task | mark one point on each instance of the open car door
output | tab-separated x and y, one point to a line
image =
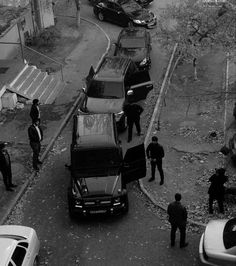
134	166
141	84
90	75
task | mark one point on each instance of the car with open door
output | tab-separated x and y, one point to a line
99	171
107	87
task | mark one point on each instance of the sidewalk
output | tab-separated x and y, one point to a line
191	151
14	124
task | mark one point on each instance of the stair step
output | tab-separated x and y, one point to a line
39	79
30	80
55	93
22	77
51	86
43	86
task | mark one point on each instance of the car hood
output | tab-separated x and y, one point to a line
136	55
213	237
142	14
102	185
98	105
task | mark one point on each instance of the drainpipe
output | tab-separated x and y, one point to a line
21	45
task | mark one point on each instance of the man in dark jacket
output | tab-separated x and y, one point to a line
217	190
5	167
34	111
35	134
178	219
132	112
155	153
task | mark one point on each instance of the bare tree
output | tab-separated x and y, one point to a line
197	28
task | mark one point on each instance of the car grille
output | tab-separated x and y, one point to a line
97	203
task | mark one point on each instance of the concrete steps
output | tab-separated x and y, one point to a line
32	83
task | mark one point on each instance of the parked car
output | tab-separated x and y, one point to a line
99	172
124	13
218	243
19	246
144	3
107	88
135	43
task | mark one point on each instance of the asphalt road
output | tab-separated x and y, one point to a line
140	237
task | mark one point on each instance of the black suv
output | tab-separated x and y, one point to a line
135	43
107	88
124	13
99	172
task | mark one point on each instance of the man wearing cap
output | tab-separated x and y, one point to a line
35	112
132	112
35	134
5	167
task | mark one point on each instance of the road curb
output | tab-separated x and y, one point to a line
155	114
78	100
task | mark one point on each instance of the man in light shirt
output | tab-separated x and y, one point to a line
35	134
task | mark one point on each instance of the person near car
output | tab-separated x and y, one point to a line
35	134
5	167
216	190
132	111
178	220
155	153
34	111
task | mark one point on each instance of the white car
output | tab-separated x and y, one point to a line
218	243
19	246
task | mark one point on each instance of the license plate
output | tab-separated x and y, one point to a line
98	211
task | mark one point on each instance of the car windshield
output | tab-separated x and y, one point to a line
132	43
131	7
101	89
96	161
229	234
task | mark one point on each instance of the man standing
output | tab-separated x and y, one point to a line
132	112
178	219
35	134
5	167
35	112
155	153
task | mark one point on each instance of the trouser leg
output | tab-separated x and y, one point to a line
159	166
137	124
153	167
172	234
182	230
5	179
211	199
36	149
130	130
221	205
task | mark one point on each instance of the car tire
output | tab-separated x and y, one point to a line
100	16
36	261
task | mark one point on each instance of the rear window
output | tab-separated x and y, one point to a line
132	43
229	234
101	89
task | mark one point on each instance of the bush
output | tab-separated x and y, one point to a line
48	36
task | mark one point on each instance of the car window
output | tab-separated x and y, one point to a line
10	264
132	43
18	255
101	89
229	234
131	7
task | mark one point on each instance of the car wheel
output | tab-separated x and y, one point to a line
36	261
100	16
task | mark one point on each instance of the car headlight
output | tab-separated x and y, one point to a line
119	115
141	22
117	201
144	62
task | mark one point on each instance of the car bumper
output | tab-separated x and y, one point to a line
84	210
202	254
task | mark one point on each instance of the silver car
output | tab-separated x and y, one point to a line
218	243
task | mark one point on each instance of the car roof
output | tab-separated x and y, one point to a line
133	32
7	246
95	130
112	68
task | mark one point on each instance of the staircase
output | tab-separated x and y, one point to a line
32	83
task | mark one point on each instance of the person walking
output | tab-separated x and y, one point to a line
216	190
5	167
155	153
34	111
133	112
178	220
35	134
